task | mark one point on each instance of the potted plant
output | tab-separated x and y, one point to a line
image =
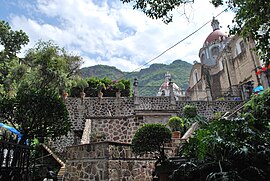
119	86
100	87
176	125
82	84
65	95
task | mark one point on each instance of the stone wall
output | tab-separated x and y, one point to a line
120	129
117	119
208	108
107	161
114	120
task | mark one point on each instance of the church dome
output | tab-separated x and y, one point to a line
217	34
165	85
164	89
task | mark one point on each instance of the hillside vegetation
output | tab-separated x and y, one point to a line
150	79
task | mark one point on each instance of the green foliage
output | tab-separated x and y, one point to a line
36	114
150	79
190	111
11	40
81	84
101	86
10	69
259	107
157	9
237	148
191	116
151	138
54	67
175	123
105	85
119	86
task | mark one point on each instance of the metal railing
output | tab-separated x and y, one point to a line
14	159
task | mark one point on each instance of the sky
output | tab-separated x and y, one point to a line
110	33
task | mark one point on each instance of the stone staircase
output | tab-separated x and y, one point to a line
231	113
61	172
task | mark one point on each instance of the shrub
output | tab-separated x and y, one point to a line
82	84
175	123
119	86
190	111
151	138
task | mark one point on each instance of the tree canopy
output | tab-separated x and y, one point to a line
157	9
151	138
54	66
10	69
35	113
252	18
30	86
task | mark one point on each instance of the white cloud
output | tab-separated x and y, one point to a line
108	32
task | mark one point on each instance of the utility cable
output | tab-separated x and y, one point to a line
173	45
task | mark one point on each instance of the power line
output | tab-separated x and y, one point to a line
173	45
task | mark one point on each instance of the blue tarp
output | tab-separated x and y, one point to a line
11	129
258	89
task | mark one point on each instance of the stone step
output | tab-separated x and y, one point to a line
61	173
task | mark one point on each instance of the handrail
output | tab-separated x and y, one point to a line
54	155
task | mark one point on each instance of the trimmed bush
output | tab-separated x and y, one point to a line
175	123
151	138
190	111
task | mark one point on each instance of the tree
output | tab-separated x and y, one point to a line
151	138
10	70
157	9
54	67
36	114
252	18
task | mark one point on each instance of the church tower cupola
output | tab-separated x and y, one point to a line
213	44
167	77
215	24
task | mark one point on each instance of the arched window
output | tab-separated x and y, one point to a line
220	65
195	76
215	51
240	47
202	57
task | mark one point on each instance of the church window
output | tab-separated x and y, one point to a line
195	76
215	51
242	46
220	65
202	57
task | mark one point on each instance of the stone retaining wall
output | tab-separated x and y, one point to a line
107	161
117	119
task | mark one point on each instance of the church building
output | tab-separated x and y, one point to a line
228	68
164	89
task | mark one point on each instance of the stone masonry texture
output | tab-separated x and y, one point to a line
106	127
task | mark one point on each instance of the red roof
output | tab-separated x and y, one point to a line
215	35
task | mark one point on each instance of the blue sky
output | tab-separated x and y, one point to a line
110	33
